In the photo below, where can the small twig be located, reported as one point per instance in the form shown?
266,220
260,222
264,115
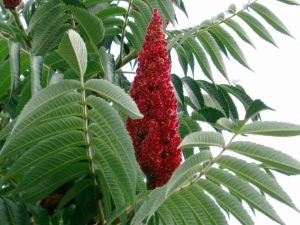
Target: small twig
120,59
211,163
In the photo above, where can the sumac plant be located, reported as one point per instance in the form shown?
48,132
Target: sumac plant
95,130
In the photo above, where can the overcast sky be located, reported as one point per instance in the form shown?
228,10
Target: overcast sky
275,80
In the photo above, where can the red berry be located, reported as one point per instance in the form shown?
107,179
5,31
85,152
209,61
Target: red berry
155,137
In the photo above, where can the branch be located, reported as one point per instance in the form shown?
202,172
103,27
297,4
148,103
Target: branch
192,31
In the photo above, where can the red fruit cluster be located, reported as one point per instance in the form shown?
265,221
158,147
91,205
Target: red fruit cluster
11,4
155,137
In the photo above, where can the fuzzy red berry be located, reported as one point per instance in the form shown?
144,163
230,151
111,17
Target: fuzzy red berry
11,4
155,137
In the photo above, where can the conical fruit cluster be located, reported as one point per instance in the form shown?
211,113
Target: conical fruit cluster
155,137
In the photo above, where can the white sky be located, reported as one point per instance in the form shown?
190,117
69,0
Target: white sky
276,81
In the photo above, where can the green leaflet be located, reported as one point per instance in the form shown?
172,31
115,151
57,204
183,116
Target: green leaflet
194,92
270,128
227,201
255,175
73,50
212,48
270,17
230,44
113,145
203,138
270,157
115,94
244,191
200,55
182,176
256,26
239,30
91,25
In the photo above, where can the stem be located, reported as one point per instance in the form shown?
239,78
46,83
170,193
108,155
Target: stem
89,150
120,60
19,24
210,164
132,55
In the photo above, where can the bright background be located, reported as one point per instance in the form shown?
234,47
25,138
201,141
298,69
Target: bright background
275,80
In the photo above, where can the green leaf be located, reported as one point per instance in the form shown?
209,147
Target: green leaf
52,183
44,149
227,124
140,20
39,214
227,201
254,174
193,91
14,58
73,50
5,78
208,206
113,145
207,114
230,44
143,8
271,128
45,11
182,58
111,11
202,138
191,204
165,8
244,191
47,32
177,204
199,53
13,212
184,173
270,157
36,107
90,24
25,96
115,94
289,2
153,201
177,84
232,9
187,126
51,166
36,66
216,95
239,30
166,216
256,26
233,112
212,48
106,64
270,17
190,57
238,92
20,142
255,107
